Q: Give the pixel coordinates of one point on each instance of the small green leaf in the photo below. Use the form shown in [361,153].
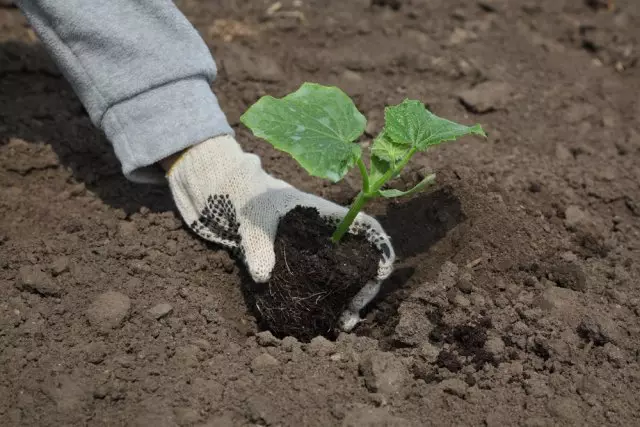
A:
[387,150]
[410,123]
[377,170]
[316,125]
[426,182]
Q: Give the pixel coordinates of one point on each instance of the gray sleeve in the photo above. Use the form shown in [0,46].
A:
[141,70]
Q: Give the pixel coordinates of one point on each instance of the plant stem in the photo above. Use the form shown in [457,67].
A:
[365,175]
[393,171]
[346,222]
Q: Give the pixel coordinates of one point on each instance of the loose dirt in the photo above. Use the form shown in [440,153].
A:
[516,296]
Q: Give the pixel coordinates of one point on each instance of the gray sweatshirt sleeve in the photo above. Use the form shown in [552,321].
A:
[140,69]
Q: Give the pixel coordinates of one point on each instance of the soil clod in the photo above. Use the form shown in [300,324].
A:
[313,280]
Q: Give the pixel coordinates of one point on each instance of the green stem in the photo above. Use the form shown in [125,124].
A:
[346,222]
[365,175]
[393,171]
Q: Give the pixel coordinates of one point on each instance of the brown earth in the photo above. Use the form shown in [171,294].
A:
[516,298]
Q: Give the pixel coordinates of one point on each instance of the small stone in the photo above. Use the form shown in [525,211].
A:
[465,283]
[495,346]
[60,265]
[320,346]
[33,279]
[266,339]
[160,310]
[263,362]
[563,153]
[615,355]
[575,218]
[96,352]
[455,386]
[382,372]
[486,97]
[109,310]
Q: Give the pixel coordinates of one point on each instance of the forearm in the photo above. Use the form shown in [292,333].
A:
[140,69]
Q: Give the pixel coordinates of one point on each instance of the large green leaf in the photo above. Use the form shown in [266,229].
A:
[317,125]
[410,123]
[387,150]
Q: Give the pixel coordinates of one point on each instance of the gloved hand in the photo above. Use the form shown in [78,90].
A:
[226,197]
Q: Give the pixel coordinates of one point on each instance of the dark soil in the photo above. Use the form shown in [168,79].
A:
[113,314]
[313,279]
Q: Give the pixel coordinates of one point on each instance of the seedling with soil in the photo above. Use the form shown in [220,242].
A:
[319,269]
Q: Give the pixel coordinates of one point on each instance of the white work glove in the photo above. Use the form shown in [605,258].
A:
[226,197]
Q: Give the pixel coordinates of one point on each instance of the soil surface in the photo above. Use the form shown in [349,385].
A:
[313,280]
[516,297]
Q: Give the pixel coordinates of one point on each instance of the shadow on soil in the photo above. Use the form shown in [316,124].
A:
[38,106]
[415,225]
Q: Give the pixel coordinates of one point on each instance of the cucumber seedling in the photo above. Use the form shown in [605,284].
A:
[318,126]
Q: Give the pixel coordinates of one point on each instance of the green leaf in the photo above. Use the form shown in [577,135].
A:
[377,170]
[316,125]
[410,123]
[387,150]
[426,182]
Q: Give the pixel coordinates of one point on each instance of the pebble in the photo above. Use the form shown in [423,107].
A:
[455,386]
[486,97]
[32,279]
[266,339]
[109,310]
[615,355]
[575,217]
[464,283]
[160,310]
[60,265]
[320,346]
[263,362]
[382,372]
[96,352]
